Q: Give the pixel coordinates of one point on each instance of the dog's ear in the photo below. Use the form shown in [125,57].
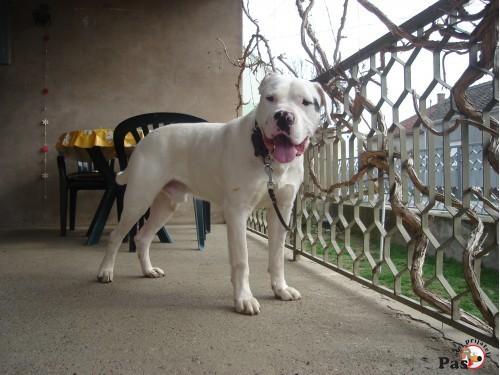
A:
[266,79]
[325,102]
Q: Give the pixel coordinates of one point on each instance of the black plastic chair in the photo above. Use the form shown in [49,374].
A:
[145,123]
[85,178]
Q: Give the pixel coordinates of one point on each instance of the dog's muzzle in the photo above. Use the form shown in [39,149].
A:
[280,145]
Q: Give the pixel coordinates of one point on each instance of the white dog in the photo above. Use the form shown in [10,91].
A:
[218,163]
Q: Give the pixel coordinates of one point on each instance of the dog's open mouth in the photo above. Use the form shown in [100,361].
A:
[282,149]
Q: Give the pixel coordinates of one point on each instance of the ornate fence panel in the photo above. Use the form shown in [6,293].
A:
[404,182]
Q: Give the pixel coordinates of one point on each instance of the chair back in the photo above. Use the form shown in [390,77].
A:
[84,166]
[145,123]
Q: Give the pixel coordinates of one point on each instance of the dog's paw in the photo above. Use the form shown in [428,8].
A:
[247,306]
[154,272]
[287,294]
[105,276]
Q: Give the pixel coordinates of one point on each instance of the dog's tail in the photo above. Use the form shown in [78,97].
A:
[121,177]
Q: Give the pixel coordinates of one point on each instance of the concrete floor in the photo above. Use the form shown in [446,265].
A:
[56,319]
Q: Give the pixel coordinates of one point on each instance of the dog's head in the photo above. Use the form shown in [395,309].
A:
[288,114]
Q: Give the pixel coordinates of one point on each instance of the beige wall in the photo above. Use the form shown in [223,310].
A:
[109,60]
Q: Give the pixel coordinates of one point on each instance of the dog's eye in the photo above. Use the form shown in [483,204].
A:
[306,102]
[270,98]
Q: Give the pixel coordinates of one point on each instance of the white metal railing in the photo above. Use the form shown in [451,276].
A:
[368,204]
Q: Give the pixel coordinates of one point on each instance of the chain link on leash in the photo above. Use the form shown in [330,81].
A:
[261,150]
[270,190]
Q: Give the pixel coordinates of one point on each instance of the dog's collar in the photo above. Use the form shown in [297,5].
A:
[259,147]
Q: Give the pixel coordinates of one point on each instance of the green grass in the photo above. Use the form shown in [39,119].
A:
[452,271]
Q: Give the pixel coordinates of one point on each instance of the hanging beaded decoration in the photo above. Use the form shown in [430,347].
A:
[45,122]
[42,17]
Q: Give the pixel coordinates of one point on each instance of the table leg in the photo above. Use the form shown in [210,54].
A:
[164,236]
[101,216]
[199,220]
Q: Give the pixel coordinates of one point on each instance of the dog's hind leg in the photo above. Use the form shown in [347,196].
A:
[164,205]
[105,274]
[133,209]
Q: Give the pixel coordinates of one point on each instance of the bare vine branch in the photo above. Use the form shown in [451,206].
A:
[287,65]
[336,53]
[403,34]
[307,28]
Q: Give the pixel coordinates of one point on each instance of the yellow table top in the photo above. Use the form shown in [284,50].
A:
[73,144]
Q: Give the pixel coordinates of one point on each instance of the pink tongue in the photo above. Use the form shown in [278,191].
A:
[284,150]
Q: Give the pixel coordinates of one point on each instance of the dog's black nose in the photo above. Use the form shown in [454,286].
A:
[284,120]
[288,117]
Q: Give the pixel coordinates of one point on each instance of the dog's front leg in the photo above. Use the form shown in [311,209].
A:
[276,241]
[244,301]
